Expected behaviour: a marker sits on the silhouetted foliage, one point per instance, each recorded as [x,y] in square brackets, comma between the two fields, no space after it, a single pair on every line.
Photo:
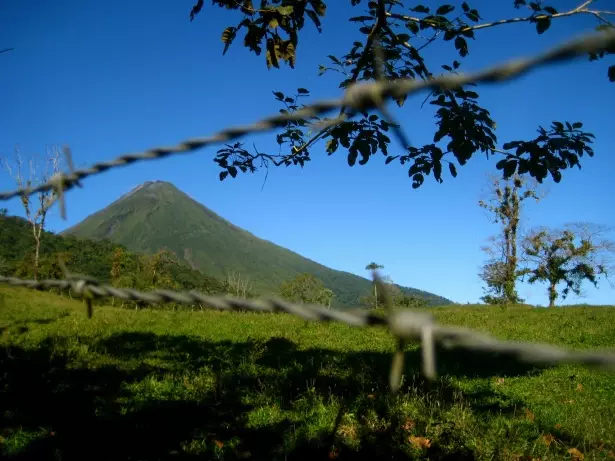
[392,47]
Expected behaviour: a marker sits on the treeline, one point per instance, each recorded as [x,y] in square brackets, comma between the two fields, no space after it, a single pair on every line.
[108,262]
[115,265]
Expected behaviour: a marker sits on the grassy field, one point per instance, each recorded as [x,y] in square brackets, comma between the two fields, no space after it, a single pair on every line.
[145,385]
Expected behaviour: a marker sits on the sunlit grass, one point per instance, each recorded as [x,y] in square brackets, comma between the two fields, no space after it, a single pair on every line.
[153,384]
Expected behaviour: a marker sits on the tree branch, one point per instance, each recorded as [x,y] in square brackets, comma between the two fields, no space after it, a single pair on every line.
[578,10]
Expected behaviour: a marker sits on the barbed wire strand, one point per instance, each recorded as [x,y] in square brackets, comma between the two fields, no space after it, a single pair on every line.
[358,97]
[404,325]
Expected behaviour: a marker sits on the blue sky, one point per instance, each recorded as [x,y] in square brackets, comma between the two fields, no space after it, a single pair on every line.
[126,76]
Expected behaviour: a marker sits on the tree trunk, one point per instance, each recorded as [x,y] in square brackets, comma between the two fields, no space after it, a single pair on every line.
[37,247]
[552,295]
[375,296]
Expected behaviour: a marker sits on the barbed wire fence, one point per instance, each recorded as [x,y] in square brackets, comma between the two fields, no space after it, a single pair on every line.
[404,325]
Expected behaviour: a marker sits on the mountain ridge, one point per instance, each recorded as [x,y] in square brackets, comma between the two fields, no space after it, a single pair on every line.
[158,215]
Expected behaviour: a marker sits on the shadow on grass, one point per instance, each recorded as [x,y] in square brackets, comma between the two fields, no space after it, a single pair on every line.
[82,409]
[23,326]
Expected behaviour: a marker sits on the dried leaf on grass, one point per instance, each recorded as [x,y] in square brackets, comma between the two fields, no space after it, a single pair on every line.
[419,442]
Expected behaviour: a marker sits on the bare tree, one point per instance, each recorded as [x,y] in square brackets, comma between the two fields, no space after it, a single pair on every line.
[238,285]
[38,172]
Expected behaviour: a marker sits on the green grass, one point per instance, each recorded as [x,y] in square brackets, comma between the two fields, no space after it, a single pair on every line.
[152,384]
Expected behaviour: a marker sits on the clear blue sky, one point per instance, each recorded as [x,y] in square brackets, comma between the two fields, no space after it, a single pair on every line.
[121,76]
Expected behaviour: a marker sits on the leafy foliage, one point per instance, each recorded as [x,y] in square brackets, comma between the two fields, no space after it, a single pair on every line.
[306,289]
[108,262]
[392,49]
[570,256]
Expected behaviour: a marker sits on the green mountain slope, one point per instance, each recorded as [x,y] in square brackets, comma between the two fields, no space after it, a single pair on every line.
[156,215]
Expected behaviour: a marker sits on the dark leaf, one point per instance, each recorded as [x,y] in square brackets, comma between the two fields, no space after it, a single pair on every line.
[420,9]
[518,3]
[509,168]
[279,95]
[446,67]
[462,46]
[437,170]
[302,91]
[352,157]
[417,180]
[456,64]
[223,174]
[444,9]
[501,164]
[535,6]
[611,74]
[373,118]
[196,9]
[319,7]
[413,27]
[272,58]
[361,18]
[465,7]
[390,159]
[473,15]
[334,59]
[331,146]
[556,175]
[233,171]
[543,24]
[227,37]
[314,19]
[364,148]
[452,169]
[577,125]
[550,10]
[449,35]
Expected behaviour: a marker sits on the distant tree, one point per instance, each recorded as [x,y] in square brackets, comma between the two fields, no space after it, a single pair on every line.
[4,212]
[122,269]
[159,268]
[374,267]
[50,267]
[500,273]
[37,174]
[238,285]
[570,256]
[405,301]
[306,289]
[393,44]
[397,296]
